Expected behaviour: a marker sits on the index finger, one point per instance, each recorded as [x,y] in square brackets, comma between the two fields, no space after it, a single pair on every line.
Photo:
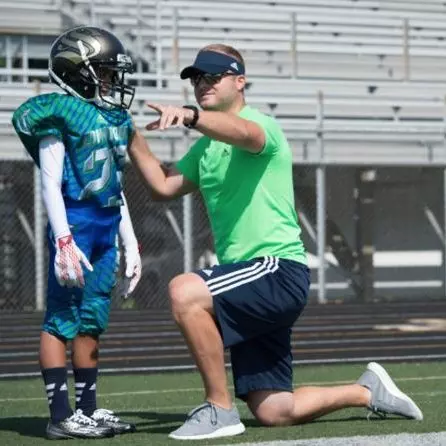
[156,107]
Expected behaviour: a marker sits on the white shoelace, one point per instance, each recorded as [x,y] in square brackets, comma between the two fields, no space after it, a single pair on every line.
[106,415]
[79,417]
[196,414]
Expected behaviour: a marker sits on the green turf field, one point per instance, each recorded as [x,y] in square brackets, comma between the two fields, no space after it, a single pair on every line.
[158,403]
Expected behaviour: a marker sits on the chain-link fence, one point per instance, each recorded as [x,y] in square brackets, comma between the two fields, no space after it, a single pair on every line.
[160,231]
[384,231]
[392,248]
[159,228]
[17,259]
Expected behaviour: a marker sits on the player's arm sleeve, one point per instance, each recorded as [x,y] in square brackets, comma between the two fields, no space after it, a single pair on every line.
[52,154]
[126,231]
[190,163]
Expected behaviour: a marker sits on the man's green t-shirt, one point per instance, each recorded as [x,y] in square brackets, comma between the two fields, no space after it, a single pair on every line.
[249,197]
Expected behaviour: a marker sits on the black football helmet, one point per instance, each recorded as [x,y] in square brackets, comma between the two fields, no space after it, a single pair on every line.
[90,63]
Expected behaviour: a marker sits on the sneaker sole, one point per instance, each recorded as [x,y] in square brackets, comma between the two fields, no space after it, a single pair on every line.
[227,431]
[393,389]
[55,435]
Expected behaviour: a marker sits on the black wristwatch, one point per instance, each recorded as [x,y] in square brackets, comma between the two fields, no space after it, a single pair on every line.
[194,121]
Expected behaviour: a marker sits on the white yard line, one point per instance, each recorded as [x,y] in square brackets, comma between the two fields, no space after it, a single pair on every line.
[200,389]
[429,439]
[162,369]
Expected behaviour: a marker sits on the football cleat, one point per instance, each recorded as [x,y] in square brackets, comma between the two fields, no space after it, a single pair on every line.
[78,425]
[107,418]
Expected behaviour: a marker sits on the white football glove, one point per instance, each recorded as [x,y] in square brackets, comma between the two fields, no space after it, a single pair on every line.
[68,263]
[133,269]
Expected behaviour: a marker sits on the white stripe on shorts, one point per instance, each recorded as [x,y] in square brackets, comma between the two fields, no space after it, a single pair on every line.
[234,276]
[235,273]
[270,265]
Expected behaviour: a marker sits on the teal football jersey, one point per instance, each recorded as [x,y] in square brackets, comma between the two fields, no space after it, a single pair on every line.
[95,140]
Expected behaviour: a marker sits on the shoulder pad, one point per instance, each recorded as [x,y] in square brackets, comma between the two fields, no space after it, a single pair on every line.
[38,117]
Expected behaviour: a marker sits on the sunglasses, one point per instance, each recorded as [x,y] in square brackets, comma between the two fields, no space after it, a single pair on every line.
[209,79]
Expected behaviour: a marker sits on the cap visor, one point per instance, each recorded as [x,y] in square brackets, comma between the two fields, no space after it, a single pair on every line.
[204,68]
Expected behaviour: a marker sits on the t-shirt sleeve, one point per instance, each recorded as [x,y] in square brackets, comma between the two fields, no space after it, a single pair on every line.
[190,163]
[273,134]
[35,120]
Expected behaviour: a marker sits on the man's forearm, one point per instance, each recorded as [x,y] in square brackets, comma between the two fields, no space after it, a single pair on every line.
[221,126]
[231,129]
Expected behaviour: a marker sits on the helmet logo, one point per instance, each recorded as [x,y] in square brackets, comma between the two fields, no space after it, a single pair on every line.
[92,46]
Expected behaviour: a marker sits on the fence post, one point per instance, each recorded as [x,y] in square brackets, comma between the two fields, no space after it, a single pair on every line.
[293,45]
[159,49]
[444,201]
[8,57]
[92,13]
[175,43]
[139,42]
[188,215]
[365,184]
[25,59]
[321,200]
[406,49]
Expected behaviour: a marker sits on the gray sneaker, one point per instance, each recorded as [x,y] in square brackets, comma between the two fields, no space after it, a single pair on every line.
[386,397]
[209,421]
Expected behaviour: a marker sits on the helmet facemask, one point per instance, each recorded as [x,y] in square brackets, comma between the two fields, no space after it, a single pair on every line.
[111,87]
[107,80]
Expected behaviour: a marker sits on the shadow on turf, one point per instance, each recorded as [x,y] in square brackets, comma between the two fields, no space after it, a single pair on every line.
[151,422]
[26,426]
[156,422]
[164,423]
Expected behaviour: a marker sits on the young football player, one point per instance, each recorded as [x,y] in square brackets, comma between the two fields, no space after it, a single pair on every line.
[79,140]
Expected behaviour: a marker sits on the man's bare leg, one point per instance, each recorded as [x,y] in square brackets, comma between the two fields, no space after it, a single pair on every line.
[192,309]
[305,403]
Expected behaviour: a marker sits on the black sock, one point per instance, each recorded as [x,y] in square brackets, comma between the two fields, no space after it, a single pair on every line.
[57,392]
[85,382]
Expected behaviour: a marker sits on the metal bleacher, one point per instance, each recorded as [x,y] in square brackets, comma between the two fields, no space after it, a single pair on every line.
[30,17]
[363,42]
[373,70]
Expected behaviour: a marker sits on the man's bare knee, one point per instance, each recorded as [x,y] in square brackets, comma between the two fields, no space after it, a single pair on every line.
[188,292]
[270,408]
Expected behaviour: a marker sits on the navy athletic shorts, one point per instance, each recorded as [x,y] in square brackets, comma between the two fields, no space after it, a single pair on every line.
[256,303]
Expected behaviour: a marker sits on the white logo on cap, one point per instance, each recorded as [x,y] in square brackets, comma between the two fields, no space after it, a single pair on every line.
[234,65]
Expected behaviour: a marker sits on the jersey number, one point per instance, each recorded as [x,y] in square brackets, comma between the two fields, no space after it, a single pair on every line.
[100,156]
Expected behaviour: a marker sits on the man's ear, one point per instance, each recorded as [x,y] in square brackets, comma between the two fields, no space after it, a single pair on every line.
[240,82]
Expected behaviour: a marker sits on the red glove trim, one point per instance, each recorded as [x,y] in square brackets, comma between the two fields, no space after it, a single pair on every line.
[64,241]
